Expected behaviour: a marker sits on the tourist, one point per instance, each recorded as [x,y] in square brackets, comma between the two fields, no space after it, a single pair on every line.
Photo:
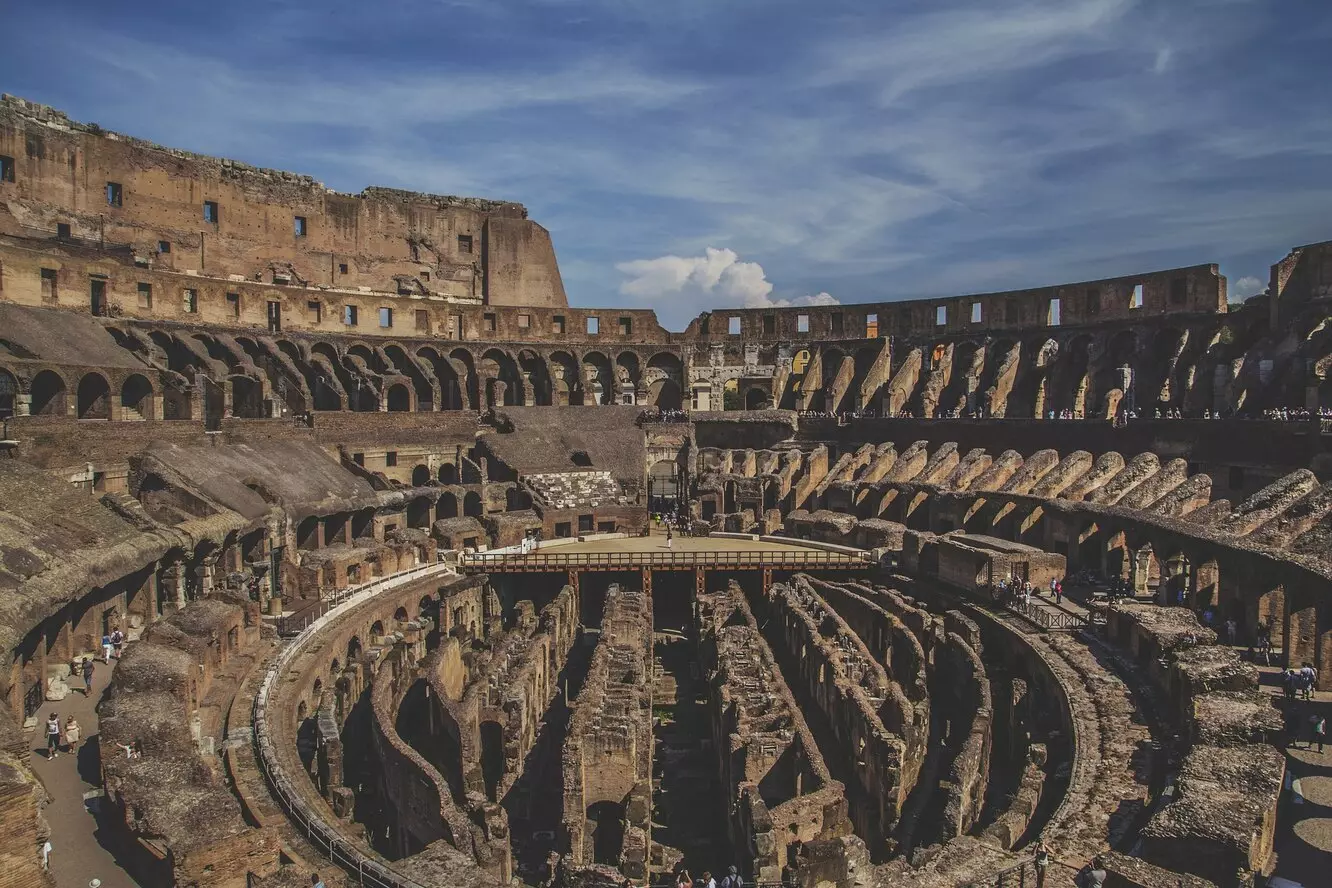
[1042,863]
[1232,631]
[1308,679]
[1059,592]
[316,882]
[732,879]
[668,535]
[106,647]
[53,736]
[87,675]
[46,855]
[683,880]
[1319,723]
[72,734]
[705,881]
[1288,680]
[117,641]
[1094,875]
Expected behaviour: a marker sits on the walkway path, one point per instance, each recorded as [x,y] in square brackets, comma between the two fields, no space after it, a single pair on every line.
[77,857]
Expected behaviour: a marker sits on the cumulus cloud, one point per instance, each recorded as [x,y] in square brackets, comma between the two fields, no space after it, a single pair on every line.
[718,278]
[1245,287]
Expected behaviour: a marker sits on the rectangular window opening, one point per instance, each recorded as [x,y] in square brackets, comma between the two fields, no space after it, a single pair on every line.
[386,317]
[733,326]
[464,243]
[115,195]
[425,275]
[524,321]
[349,313]
[233,299]
[1052,313]
[97,293]
[769,325]
[557,324]
[391,458]
[6,168]
[422,321]
[358,458]
[314,310]
[63,231]
[1136,300]
[212,214]
[838,324]
[593,326]
[298,224]
[274,316]
[49,284]
[342,268]
[164,246]
[1179,291]
[145,295]
[802,323]
[626,326]
[491,322]
[189,301]
[975,312]
[871,326]
[941,316]
[1093,301]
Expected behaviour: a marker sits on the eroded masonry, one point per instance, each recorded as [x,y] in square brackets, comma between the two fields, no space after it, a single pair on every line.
[369,503]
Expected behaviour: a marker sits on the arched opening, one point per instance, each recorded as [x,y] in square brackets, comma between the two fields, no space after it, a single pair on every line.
[665,394]
[450,391]
[538,378]
[8,394]
[606,821]
[497,367]
[467,372]
[448,474]
[1117,371]
[492,757]
[516,499]
[399,398]
[418,512]
[566,384]
[663,486]
[600,379]
[959,395]
[757,399]
[472,504]
[94,399]
[401,615]
[353,650]
[247,398]
[447,507]
[48,394]
[420,476]
[136,398]
[665,381]
[307,533]
[425,393]
[626,377]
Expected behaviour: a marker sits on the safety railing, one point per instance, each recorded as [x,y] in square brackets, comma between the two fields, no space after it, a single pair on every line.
[367,872]
[615,560]
[298,621]
[1048,618]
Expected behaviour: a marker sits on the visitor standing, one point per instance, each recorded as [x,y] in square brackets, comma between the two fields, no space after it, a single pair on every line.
[72,734]
[668,535]
[87,675]
[1319,730]
[1308,676]
[53,735]
[1232,631]
[46,856]
[1094,875]
[732,879]
[683,880]
[316,882]
[106,647]
[117,641]
[1042,863]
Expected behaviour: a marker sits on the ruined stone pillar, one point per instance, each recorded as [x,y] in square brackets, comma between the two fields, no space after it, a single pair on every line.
[1205,588]
[23,404]
[1300,627]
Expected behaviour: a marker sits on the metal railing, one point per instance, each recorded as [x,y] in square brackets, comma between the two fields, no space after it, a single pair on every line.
[367,872]
[298,621]
[1048,618]
[618,560]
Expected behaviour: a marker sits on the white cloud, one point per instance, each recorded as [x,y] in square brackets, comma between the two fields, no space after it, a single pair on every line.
[1245,287]
[717,279]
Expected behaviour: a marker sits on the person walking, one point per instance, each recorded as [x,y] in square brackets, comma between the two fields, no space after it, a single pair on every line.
[87,675]
[117,641]
[732,879]
[1042,863]
[106,647]
[316,882]
[668,535]
[53,735]
[72,734]
[1059,593]
[1232,631]
[1319,730]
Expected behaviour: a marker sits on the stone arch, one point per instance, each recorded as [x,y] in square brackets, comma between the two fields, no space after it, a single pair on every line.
[961,392]
[1071,385]
[136,395]
[537,376]
[468,379]
[247,397]
[665,394]
[600,378]
[665,379]
[8,393]
[450,389]
[421,387]
[516,500]
[418,512]
[566,381]
[628,374]
[448,473]
[446,507]
[1162,356]
[421,475]
[472,504]
[48,394]
[757,399]
[353,649]
[1117,372]
[399,398]
[94,397]
[497,366]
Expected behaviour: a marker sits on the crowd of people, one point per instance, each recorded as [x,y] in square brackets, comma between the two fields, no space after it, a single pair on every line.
[658,414]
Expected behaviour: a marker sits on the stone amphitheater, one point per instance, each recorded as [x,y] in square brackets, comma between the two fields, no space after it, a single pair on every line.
[375,513]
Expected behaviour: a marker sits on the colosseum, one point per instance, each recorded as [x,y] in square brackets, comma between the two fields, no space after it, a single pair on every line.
[425,577]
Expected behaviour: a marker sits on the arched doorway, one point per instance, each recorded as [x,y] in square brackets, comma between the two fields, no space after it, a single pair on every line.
[472,504]
[756,399]
[492,757]
[136,398]
[606,820]
[399,398]
[94,397]
[48,394]
[420,476]
[8,394]
[664,486]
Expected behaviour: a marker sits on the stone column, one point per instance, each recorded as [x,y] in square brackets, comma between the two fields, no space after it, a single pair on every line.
[23,404]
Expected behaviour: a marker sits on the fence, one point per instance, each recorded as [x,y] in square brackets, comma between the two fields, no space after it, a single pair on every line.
[298,621]
[1048,618]
[683,559]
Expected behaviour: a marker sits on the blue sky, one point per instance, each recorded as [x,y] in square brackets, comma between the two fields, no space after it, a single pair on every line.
[693,154]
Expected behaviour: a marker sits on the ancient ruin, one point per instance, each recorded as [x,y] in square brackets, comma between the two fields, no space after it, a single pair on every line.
[355,514]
